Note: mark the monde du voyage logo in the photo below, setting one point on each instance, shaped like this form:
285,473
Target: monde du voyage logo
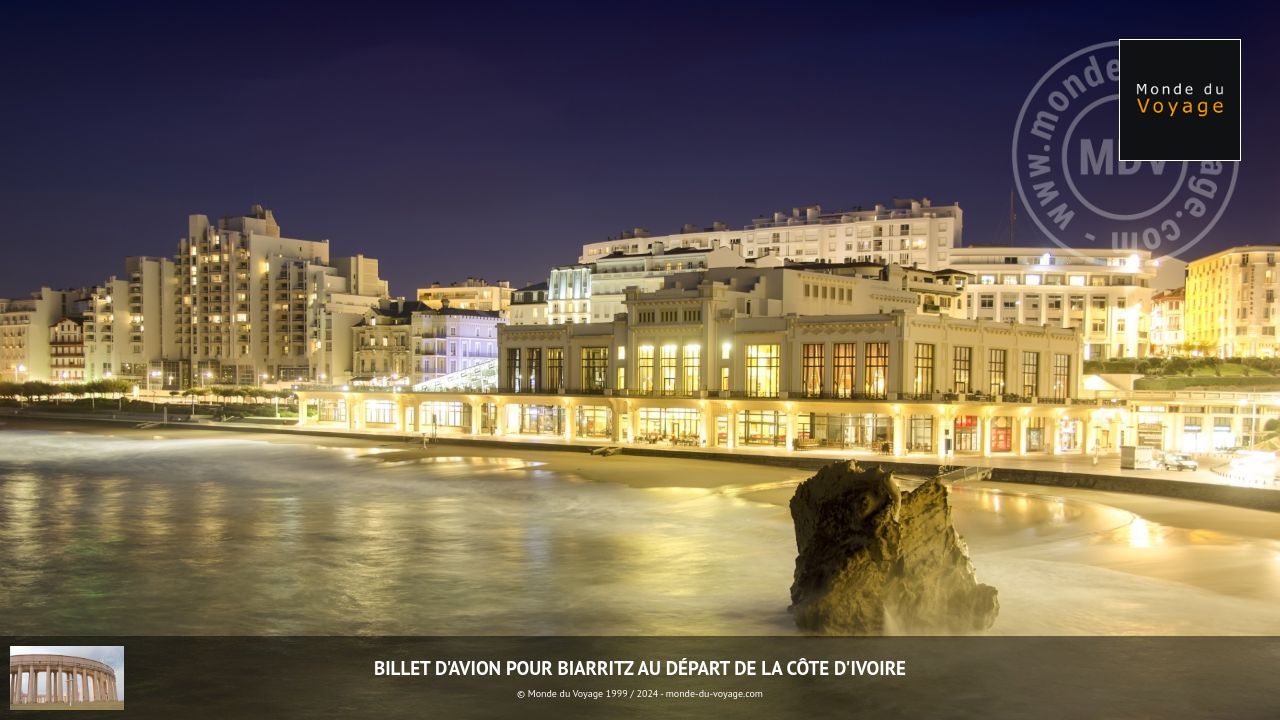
1176,173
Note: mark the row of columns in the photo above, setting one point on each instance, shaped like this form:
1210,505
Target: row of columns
407,418
62,685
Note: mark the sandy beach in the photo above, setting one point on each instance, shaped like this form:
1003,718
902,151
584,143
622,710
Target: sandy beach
375,535
752,482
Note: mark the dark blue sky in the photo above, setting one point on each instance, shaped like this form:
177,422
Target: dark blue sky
494,140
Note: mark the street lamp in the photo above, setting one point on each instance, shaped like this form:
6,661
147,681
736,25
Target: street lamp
154,378
206,376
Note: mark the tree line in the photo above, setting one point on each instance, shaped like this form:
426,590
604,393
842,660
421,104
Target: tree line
37,390
1174,366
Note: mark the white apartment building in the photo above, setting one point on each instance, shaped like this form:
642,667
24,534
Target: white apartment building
1106,293
1168,335
529,305
338,311
912,232
470,294
568,296
130,326
596,291
403,343
256,307
25,332
1032,285
1231,308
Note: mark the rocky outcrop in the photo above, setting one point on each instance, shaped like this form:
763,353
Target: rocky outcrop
872,559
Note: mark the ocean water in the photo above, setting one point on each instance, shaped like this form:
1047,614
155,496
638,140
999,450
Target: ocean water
236,536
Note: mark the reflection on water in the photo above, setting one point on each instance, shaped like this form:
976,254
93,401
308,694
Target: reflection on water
233,536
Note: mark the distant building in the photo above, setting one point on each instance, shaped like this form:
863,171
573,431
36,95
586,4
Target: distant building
470,294
25,336
405,342
257,307
382,343
1107,294
912,232
1168,336
936,291
66,351
1231,302
529,305
130,326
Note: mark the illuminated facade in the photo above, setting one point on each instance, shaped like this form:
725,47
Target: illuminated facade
1231,307
130,326
407,342
741,358
1192,421
1107,294
1168,333
256,307
470,294
66,350
528,305
912,232
25,350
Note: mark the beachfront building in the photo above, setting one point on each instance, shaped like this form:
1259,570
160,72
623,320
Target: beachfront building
130,326
911,232
1196,421
66,350
1231,302
778,358
470,294
382,344
255,307
406,342
1105,293
25,350
1168,336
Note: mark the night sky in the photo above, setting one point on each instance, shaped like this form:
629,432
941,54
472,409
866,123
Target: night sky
488,140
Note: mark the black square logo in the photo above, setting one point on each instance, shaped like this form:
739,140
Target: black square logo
1179,100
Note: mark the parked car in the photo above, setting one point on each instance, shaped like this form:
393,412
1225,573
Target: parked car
1179,461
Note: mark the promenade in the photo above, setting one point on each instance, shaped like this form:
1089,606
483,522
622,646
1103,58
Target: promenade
1105,466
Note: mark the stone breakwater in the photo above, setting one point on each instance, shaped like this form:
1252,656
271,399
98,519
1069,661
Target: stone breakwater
872,560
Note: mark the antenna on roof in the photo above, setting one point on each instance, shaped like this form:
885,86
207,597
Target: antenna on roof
1013,217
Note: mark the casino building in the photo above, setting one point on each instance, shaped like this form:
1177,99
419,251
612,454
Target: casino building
775,357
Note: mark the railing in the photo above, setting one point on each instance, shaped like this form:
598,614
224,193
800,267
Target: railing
950,474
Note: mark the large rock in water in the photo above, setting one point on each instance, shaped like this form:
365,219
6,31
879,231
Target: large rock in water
872,559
